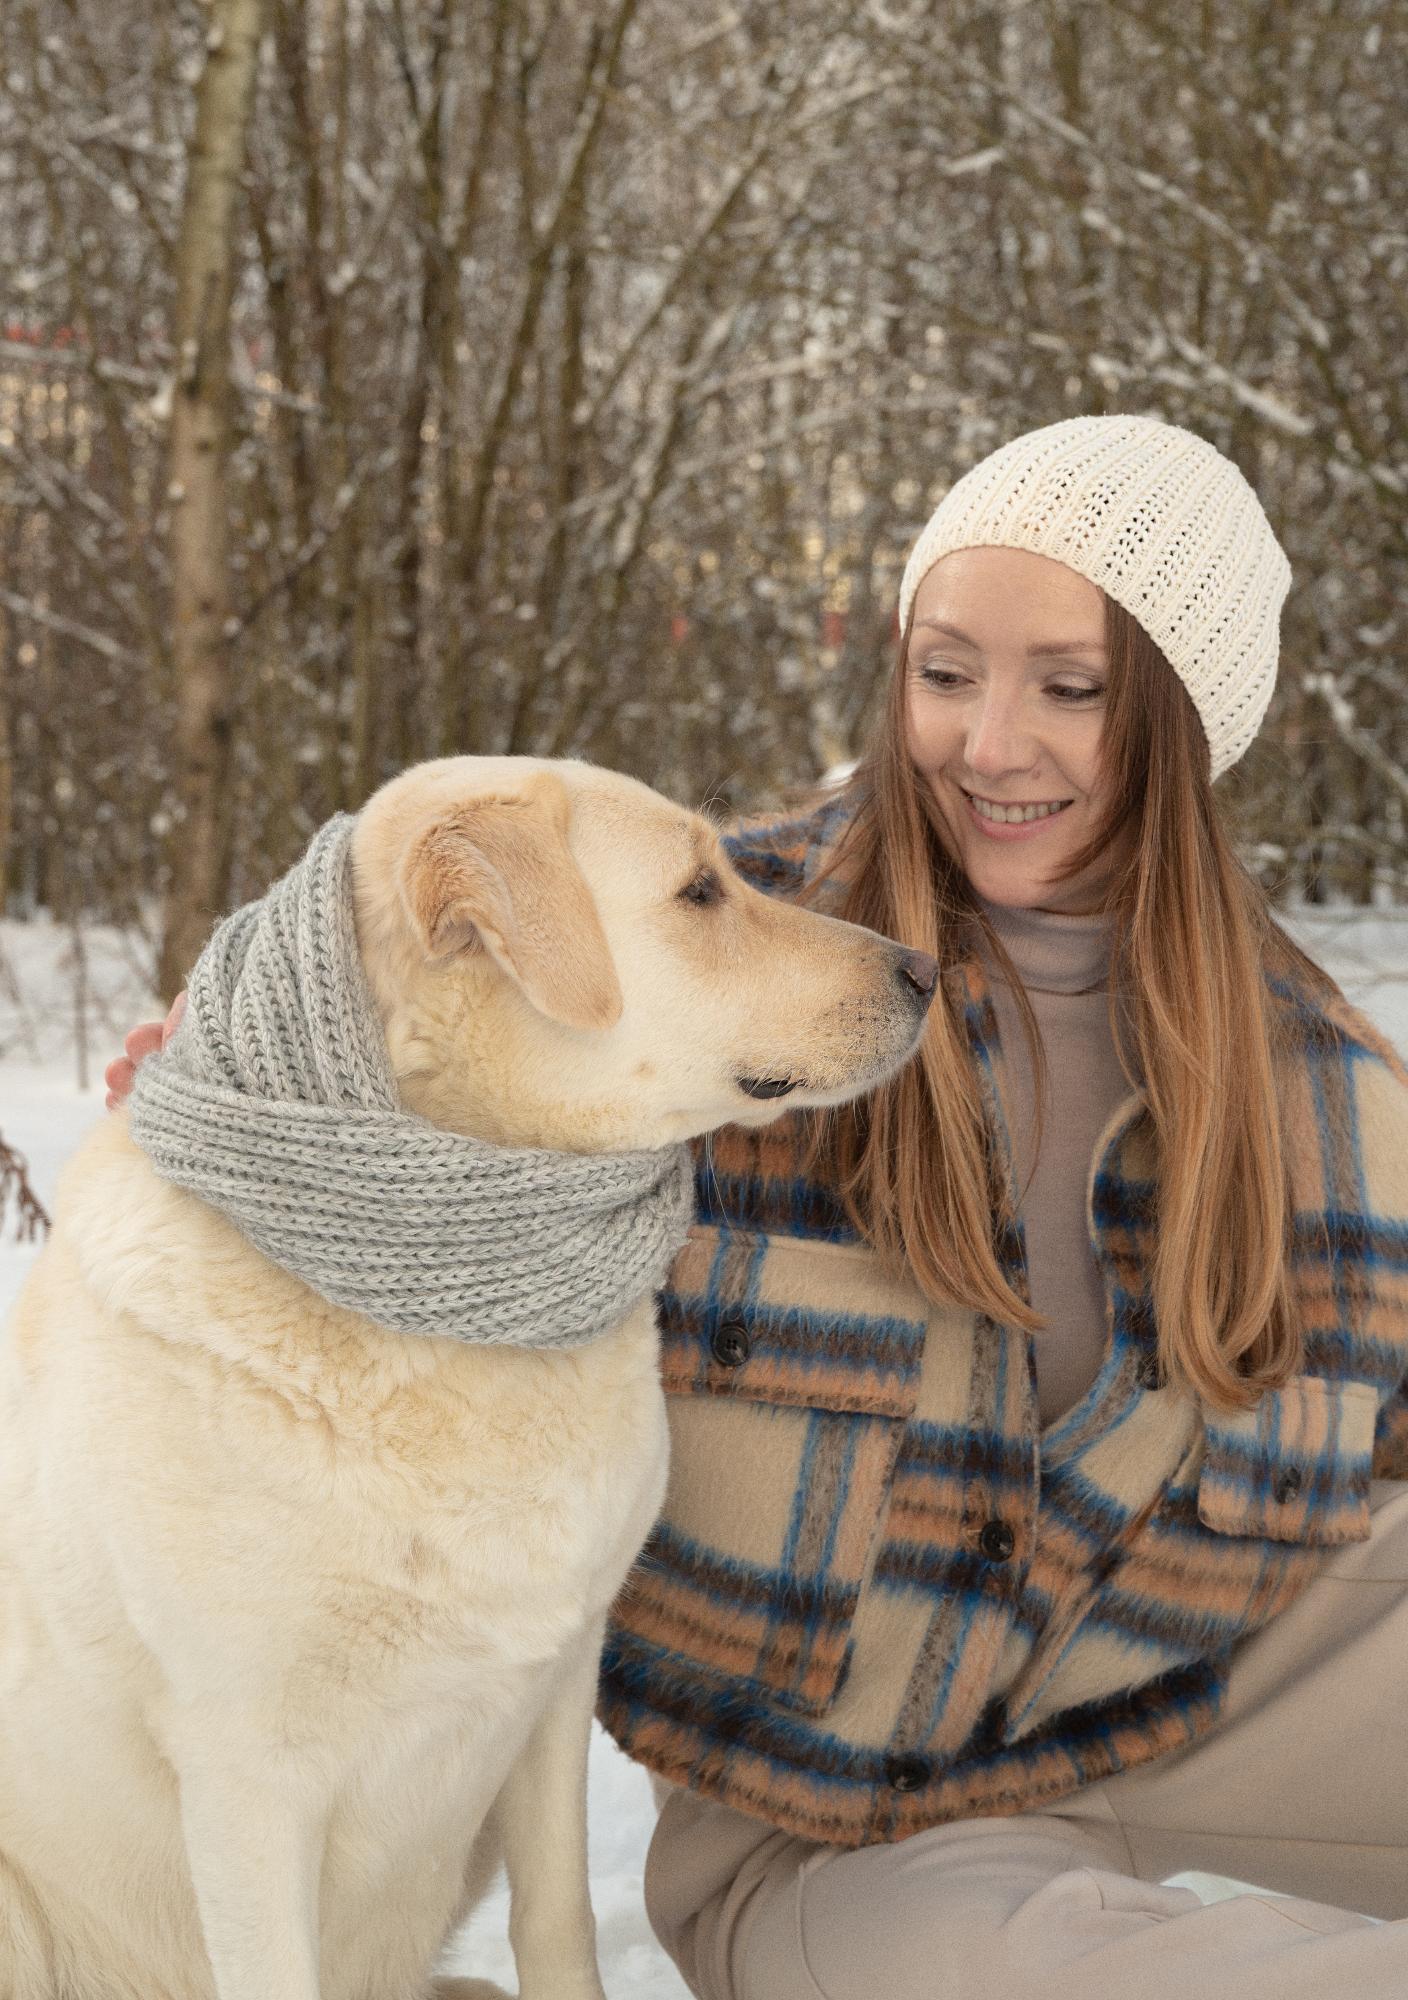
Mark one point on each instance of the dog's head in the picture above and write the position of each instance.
(564, 958)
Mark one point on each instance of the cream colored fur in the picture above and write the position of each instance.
(299, 1618)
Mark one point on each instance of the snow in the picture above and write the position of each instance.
(44, 1113)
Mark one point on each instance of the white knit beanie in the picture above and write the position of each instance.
(1164, 524)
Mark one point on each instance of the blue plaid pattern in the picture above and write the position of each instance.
(879, 1597)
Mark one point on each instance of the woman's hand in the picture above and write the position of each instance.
(143, 1041)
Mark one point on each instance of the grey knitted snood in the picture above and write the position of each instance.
(275, 1102)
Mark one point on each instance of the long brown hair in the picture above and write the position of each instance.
(1194, 941)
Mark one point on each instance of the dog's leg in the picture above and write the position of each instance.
(541, 1815)
(254, 1832)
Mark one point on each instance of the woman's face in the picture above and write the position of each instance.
(1005, 707)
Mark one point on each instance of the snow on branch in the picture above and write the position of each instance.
(69, 628)
(1260, 402)
(1351, 731)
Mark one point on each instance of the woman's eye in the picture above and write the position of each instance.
(705, 888)
(941, 677)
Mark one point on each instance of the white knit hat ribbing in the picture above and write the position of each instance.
(1164, 524)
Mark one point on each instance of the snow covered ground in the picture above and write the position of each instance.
(45, 1110)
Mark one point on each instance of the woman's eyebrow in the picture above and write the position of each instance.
(1046, 649)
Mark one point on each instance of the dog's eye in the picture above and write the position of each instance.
(704, 889)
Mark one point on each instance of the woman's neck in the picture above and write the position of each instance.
(1053, 952)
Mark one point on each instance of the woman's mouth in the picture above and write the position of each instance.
(1015, 819)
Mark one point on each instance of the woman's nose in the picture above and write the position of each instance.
(998, 739)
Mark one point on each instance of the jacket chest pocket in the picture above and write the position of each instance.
(1294, 1469)
(1241, 1528)
(790, 1369)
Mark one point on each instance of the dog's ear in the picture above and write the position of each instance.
(498, 872)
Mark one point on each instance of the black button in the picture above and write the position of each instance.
(1288, 1484)
(997, 1541)
(731, 1344)
(991, 1726)
(906, 1774)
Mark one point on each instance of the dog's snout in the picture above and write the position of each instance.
(919, 971)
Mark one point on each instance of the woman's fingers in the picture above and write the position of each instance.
(140, 1042)
(143, 1041)
(118, 1077)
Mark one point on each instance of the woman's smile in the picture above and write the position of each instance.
(1013, 819)
(1007, 670)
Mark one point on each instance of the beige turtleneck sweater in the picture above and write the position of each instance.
(1062, 962)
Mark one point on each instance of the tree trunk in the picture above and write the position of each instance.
(200, 442)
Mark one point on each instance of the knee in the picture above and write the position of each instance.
(914, 1930)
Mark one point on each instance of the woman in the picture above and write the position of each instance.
(1021, 1547)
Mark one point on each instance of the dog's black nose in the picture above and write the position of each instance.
(920, 971)
(767, 1086)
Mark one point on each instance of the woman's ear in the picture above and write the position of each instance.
(497, 872)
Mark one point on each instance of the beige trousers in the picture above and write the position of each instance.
(1301, 1787)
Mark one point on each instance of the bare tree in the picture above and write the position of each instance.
(205, 269)
(30, 1213)
(572, 376)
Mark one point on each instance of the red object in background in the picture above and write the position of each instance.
(833, 628)
(30, 336)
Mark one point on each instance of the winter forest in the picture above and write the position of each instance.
(383, 378)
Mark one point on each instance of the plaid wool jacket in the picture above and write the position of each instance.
(879, 1596)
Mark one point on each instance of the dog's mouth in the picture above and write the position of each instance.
(768, 1086)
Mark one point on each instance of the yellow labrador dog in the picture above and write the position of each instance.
(300, 1618)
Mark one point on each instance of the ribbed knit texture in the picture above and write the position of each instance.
(1063, 964)
(1164, 524)
(275, 1103)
